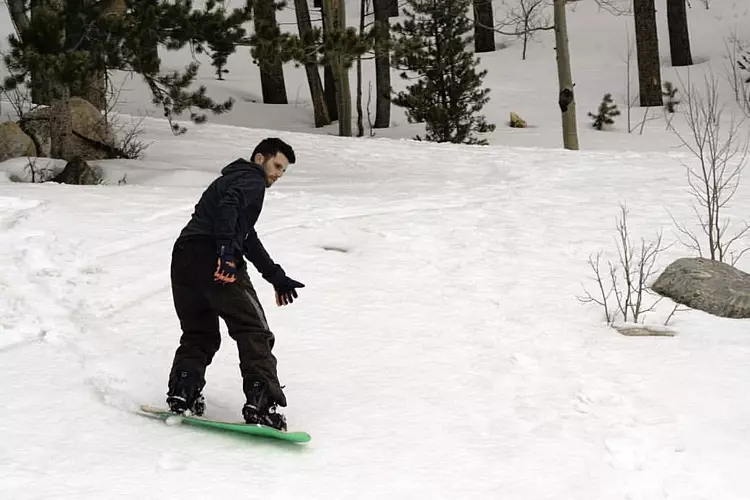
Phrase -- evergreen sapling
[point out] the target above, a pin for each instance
(606, 113)
(670, 93)
(434, 43)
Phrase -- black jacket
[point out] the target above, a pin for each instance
(227, 212)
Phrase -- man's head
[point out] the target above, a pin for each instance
(275, 156)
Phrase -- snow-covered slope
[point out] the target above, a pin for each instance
(438, 350)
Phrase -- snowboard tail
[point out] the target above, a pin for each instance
(241, 427)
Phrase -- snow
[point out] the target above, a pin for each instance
(438, 349)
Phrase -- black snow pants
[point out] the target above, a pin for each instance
(200, 302)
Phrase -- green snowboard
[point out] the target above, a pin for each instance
(257, 430)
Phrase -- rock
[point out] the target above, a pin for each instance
(516, 121)
(707, 285)
(644, 331)
(87, 122)
(14, 143)
(77, 171)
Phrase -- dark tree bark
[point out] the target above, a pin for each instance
(272, 81)
(679, 35)
(647, 48)
(334, 11)
(382, 65)
(329, 89)
(392, 8)
(360, 124)
(313, 75)
(484, 32)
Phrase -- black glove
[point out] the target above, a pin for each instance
(226, 267)
(286, 290)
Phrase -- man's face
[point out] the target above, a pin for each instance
(273, 166)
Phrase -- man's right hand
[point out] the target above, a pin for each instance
(226, 267)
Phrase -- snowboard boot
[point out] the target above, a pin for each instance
(184, 396)
(259, 409)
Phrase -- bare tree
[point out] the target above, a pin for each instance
(628, 278)
(732, 72)
(721, 156)
(615, 7)
(566, 98)
(523, 20)
(629, 98)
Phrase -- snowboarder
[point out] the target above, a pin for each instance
(210, 280)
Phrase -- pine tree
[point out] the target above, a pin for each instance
(64, 41)
(607, 111)
(433, 42)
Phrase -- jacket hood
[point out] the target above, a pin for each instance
(241, 164)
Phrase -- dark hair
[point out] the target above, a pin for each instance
(271, 146)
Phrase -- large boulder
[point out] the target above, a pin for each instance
(88, 123)
(14, 143)
(707, 285)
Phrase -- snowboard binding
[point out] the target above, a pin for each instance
(184, 396)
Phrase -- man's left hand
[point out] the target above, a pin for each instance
(286, 291)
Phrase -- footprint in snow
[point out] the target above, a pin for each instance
(172, 461)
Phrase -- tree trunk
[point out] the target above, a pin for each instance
(313, 75)
(39, 93)
(18, 15)
(94, 87)
(382, 65)
(679, 36)
(360, 125)
(60, 116)
(335, 13)
(330, 81)
(392, 8)
(271, 71)
(61, 129)
(330, 92)
(566, 98)
(484, 31)
(647, 49)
